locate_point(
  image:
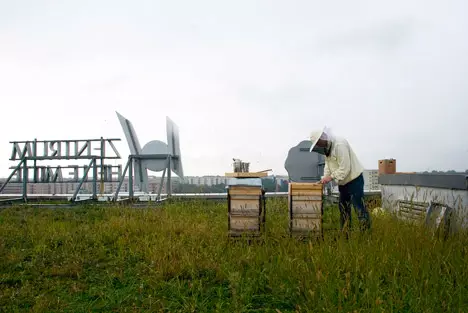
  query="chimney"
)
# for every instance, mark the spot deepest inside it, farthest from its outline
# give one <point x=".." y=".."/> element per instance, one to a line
<point x="387" y="166"/>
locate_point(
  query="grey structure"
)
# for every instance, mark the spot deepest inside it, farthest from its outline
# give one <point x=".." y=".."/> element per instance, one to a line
<point x="172" y="132"/>
<point x="446" y="181"/>
<point x="404" y="193"/>
<point x="155" y="156"/>
<point x="303" y="165"/>
<point x="135" y="149"/>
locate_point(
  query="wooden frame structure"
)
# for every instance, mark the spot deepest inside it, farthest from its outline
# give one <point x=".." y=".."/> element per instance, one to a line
<point x="412" y="210"/>
<point x="246" y="211"/>
<point x="305" y="201"/>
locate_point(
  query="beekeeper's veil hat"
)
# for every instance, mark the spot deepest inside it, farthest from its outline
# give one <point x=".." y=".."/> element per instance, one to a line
<point x="323" y="133"/>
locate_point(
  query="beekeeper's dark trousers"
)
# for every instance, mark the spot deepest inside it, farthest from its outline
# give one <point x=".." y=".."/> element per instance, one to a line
<point x="353" y="194"/>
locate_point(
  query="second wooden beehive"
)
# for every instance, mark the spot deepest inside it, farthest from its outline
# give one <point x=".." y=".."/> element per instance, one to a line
<point x="305" y="202"/>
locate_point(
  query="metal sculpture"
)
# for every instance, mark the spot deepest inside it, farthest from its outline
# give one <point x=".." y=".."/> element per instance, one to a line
<point x="155" y="155"/>
<point x="303" y="165"/>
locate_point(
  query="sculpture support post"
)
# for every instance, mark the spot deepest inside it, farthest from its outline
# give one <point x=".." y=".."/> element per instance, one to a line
<point x="25" y="180"/>
<point x="158" y="197"/>
<point x="130" y="178"/>
<point x="169" y="185"/>
<point x="122" y="179"/>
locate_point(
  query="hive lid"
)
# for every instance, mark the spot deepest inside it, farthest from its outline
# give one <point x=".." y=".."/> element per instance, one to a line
<point x="257" y="182"/>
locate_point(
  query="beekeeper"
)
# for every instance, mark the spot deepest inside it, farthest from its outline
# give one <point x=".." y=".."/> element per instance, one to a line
<point x="343" y="167"/>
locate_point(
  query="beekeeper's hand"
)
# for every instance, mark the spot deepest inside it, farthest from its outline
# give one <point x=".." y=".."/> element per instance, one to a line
<point x="326" y="180"/>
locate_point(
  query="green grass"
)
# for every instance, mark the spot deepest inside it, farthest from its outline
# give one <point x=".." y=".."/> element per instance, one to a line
<point x="177" y="258"/>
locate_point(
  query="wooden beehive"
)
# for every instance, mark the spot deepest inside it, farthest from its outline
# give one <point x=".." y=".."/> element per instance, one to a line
<point x="246" y="211"/>
<point x="305" y="209"/>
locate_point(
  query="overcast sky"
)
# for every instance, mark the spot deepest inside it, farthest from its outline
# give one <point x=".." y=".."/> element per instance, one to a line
<point x="247" y="79"/>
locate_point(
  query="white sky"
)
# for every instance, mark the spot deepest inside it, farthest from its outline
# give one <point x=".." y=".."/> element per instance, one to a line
<point x="247" y="79"/>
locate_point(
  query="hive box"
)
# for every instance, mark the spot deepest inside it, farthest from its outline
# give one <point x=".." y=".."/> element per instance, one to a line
<point x="305" y="209"/>
<point x="246" y="211"/>
<point x="387" y="166"/>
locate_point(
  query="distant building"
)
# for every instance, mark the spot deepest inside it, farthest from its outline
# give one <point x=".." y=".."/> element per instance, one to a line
<point x="205" y="180"/>
<point x="69" y="187"/>
<point x="371" y="180"/>
<point x="12" y="188"/>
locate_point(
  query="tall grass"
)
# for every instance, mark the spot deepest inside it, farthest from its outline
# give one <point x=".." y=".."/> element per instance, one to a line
<point x="177" y="258"/>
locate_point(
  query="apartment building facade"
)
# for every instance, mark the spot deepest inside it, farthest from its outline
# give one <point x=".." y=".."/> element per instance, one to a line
<point x="371" y="179"/>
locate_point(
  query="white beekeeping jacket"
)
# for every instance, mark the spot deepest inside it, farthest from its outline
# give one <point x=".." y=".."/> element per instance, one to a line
<point x="342" y="164"/>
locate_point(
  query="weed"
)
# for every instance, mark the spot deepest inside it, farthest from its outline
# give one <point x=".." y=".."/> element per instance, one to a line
<point x="177" y="258"/>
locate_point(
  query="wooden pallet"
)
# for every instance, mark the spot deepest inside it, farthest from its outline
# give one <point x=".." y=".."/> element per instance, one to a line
<point x="412" y="210"/>
<point x="305" y="201"/>
<point x="246" y="211"/>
